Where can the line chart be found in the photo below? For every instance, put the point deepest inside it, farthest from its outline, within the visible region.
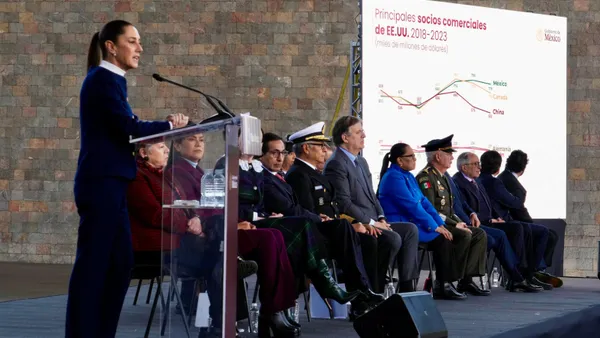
(434, 96)
(402, 101)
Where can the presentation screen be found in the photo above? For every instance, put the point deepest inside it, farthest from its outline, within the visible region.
(496, 79)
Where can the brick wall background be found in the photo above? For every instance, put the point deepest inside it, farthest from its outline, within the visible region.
(283, 60)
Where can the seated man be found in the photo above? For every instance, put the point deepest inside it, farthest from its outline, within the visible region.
(349, 175)
(343, 242)
(436, 188)
(476, 200)
(515, 167)
(535, 235)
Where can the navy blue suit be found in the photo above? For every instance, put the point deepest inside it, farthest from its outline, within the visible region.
(104, 257)
(498, 238)
(535, 236)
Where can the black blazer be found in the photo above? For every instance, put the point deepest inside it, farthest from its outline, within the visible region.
(280, 198)
(471, 197)
(515, 187)
(313, 189)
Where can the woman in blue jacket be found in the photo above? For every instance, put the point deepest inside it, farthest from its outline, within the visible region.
(402, 201)
(106, 165)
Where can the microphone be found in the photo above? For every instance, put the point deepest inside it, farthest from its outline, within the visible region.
(221, 108)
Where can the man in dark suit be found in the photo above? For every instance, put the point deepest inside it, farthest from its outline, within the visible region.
(502, 201)
(316, 194)
(515, 167)
(477, 200)
(343, 242)
(349, 174)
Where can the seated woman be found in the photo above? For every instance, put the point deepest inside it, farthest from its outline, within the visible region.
(403, 201)
(150, 223)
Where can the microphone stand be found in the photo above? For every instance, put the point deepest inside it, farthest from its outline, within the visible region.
(220, 107)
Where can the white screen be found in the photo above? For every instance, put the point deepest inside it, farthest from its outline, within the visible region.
(501, 86)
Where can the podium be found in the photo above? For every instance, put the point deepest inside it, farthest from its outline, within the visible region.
(199, 229)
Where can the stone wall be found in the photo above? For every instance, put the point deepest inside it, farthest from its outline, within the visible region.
(282, 60)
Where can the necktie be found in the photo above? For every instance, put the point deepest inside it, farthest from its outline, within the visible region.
(280, 176)
(362, 175)
(475, 184)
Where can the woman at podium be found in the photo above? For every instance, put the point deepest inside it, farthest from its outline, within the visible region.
(106, 165)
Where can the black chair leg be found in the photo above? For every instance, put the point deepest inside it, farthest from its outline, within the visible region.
(255, 297)
(419, 277)
(431, 274)
(307, 303)
(150, 291)
(153, 310)
(137, 292)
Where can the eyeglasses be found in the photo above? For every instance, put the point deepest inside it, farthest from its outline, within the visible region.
(277, 153)
(477, 164)
(413, 156)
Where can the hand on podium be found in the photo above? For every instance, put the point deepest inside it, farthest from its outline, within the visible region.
(178, 120)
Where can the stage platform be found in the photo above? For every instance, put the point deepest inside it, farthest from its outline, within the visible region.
(503, 314)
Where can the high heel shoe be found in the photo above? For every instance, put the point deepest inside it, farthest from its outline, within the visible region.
(326, 285)
(275, 324)
(290, 320)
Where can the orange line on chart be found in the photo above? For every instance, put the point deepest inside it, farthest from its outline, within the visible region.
(419, 106)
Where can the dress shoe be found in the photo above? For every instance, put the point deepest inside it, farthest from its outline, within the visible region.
(548, 278)
(371, 297)
(522, 286)
(326, 285)
(535, 281)
(446, 291)
(357, 309)
(246, 268)
(467, 285)
(290, 319)
(277, 325)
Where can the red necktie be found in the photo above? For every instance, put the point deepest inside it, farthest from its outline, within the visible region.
(279, 176)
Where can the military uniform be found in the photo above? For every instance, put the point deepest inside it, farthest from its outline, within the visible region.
(470, 249)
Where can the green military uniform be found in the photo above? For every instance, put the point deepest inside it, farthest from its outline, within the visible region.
(469, 248)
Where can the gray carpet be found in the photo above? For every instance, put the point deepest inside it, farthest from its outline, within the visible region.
(474, 317)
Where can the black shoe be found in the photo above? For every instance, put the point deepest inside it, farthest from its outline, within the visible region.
(357, 309)
(446, 291)
(288, 317)
(467, 285)
(326, 285)
(545, 277)
(246, 268)
(275, 324)
(523, 286)
(535, 281)
(371, 297)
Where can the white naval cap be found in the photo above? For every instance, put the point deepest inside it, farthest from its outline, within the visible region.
(316, 132)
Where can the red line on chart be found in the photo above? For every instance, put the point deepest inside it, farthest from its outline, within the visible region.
(418, 106)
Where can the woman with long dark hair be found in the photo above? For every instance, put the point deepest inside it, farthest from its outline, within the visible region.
(106, 165)
(402, 201)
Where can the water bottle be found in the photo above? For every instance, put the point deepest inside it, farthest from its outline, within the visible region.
(389, 290)
(219, 188)
(254, 318)
(207, 190)
(495, 278)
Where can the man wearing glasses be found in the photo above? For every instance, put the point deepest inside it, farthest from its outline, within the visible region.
(342, 241)
(511, 256)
